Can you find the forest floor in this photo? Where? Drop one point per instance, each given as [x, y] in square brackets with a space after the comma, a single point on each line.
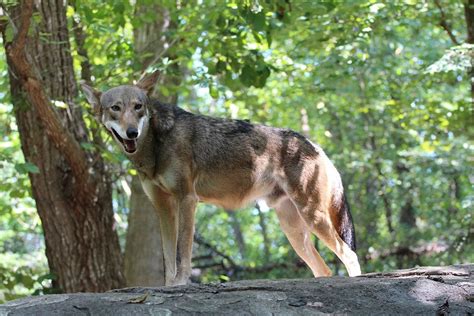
[424, 290]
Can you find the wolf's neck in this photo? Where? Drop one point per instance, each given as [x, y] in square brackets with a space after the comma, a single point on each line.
[145, 157]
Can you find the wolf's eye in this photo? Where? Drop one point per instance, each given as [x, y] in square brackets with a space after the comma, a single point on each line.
[138, 106]
[115, 108]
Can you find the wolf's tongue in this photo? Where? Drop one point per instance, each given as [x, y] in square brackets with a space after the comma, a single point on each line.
[130, 145]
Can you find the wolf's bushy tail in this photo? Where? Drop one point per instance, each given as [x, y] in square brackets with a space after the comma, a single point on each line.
[345, 225]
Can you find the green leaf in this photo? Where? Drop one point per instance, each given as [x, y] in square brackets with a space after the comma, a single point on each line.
[247, 75]
[26, 167]
[17, 194]
[221, 21]
[224, 278]
[9, 33]
[27, 281]
[261, 79]
[257, 20]
[269, 39]
[213, 91]
[31, 168]
[221, 66]
[36, 18]
[87, 146]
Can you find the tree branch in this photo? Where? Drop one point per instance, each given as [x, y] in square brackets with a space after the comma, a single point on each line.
[234, 268]
[80, 37]
[86, 71]
[239, 238]
[25, 18]
[426, 249]
[198, 239]
[386, 201]
[444, 23]
[263, 226]
[37, 97]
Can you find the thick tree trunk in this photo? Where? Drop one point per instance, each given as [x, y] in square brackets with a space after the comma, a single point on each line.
[72, 192]
[143, 262]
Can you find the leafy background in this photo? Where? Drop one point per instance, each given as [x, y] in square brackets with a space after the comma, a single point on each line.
[380, 86]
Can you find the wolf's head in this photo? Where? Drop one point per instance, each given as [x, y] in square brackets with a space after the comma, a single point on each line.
[124, 110]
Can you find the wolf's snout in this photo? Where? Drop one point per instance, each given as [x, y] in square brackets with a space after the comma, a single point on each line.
[132, 132]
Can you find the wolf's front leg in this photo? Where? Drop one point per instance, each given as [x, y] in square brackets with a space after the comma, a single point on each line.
[187, 207]
[167, 209]
[169, 237]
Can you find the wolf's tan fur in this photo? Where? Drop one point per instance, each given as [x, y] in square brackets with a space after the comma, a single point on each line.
[183, 158]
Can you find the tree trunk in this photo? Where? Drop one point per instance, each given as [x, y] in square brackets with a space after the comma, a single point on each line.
[407, 211]
[153, 43]
[72, 191]
[143, 262]
[469, 15]
[407, 214]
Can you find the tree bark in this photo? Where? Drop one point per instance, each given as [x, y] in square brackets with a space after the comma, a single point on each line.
[407, 211]
[469, 15]
[153, 42]
[143, 261]
[407, 214]
[72, 192]
[80, 38]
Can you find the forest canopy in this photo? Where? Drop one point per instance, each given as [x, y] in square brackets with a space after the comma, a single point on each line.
[384, 87]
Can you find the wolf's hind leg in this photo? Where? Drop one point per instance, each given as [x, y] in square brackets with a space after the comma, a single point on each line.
[326, 231]
[318, 221]
[299, 236]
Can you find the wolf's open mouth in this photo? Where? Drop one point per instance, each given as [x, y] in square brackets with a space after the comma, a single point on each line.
[130, 145]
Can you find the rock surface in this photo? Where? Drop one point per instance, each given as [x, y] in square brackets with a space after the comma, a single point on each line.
[425, 290]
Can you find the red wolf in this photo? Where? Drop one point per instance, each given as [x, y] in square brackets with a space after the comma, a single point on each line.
[184, 158]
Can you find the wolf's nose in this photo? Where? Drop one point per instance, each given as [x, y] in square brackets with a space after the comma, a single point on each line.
[132, 132]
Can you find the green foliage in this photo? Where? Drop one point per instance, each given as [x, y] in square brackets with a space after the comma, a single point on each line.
[378, 85]
[23, 274]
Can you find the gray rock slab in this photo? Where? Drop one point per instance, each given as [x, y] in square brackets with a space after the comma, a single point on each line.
[423, 291]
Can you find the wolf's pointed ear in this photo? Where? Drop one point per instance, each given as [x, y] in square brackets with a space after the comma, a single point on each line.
[93, 97]
[148, 82]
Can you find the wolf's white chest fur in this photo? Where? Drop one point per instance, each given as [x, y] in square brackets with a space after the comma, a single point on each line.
[166, 182]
